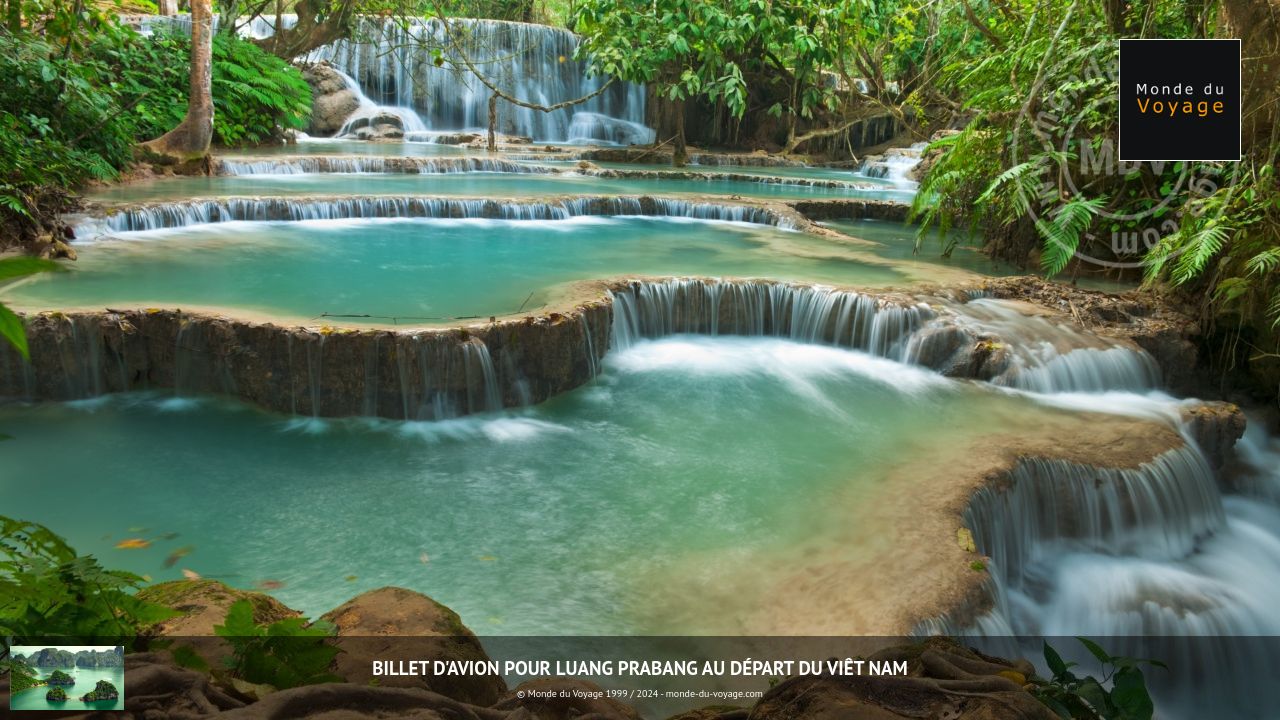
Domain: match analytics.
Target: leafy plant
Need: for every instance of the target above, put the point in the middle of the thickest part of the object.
(287, 653)
(11, 327)
(47, 590)
(1089, 698)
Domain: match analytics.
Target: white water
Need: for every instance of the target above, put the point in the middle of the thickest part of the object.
(894, 166)
(157, 216)
(395, 65)
(369, 110)
(809, 314)
(372, 164)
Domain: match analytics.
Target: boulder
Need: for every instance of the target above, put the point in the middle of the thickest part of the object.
(542, 699)
(202, 604)
(379, 126)
(394, 624)
(332, 100)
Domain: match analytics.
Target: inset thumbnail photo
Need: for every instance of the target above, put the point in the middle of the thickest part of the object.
(66, 677)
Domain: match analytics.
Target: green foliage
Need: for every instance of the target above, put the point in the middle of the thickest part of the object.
(1037, 166)
(11, 327)
(47, 590)
(58, 677)
(255, 94)
(287, 653)
(82, 93)
(1088, 698)
(20, 675)
(805, 54)
(56, 694)
(57, 128)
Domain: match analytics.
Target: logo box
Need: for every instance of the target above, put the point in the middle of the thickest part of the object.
(1179, 100)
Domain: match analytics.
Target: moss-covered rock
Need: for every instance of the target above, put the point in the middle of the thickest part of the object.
(202, 604)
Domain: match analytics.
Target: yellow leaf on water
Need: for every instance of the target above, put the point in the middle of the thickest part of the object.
(488, 558)
(190, 574)
(352, 578)
(133, 544)
(965, 539)
(177, 555)
(270, 584)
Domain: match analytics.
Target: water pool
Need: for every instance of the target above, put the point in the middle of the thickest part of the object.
(423, 268)
(471, 184)
(627, 506)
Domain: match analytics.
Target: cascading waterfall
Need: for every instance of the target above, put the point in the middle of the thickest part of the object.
(374, 165)
(368, 112)
(804, 313)
(155, 216)
(894, 165)
(1154, 561)
(396, 64)
(1046, 356)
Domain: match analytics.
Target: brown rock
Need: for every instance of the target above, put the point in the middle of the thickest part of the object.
(1215, 426)
(542, 700)
(202, 604)
(375, 625)
(332, 100)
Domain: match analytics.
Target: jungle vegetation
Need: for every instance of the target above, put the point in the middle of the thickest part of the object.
(82, 91)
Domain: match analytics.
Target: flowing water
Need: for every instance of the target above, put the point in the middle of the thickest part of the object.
(524, 522)
(396, 64)
(467, 184)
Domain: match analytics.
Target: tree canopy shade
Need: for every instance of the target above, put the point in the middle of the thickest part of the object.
(799, 61)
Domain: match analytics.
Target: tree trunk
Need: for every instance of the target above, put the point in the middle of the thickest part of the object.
(190, 140)
(168, 7)
(1257, 24)
(319, 23)
(680, 155)
(493, 122)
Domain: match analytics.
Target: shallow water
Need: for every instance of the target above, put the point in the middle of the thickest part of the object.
(896, 241)
(575, 516)
(478, 184)
(425, 269)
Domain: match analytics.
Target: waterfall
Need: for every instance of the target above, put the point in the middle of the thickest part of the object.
(804, 313)
(1152, 561)
(476, 353)
(307, 165)
(1046, 356)
(1160, 510)
(894, 165)
(396, 64)
(368, 112)
(155, 216)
